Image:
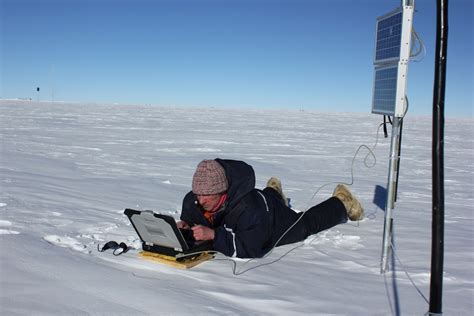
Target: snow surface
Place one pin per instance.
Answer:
(68, 171)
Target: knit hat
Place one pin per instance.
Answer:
(209, 178)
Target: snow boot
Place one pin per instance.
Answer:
(275, 184)
(353, 207)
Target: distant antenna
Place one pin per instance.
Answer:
(391, 57)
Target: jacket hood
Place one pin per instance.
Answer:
(241, 179)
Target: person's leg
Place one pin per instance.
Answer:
(318, 218)
(324, 216)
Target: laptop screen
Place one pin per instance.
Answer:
(157, 229)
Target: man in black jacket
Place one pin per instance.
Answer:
(245, 222)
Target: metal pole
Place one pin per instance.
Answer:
(437, 241)
(391, 188)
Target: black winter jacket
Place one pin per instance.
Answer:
(250, 222)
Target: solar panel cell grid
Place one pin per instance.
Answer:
(389, 32)
(385, 89)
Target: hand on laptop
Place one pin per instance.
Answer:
(183, 225)
(199, 232)
(202, 232)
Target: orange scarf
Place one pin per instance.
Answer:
(209, 214)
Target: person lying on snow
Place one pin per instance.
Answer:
(224, 206)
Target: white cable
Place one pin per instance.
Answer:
(406, 108)
(421, 47)
(406, 272)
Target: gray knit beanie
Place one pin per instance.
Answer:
(209, 178)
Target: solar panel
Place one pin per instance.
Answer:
(392, 53)
(385, 90)
(389, 89)
(388, 36)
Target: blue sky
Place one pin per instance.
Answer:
(261, 54)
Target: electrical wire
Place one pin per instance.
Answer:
(421, 47)
(407, 274)
(405, 110)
